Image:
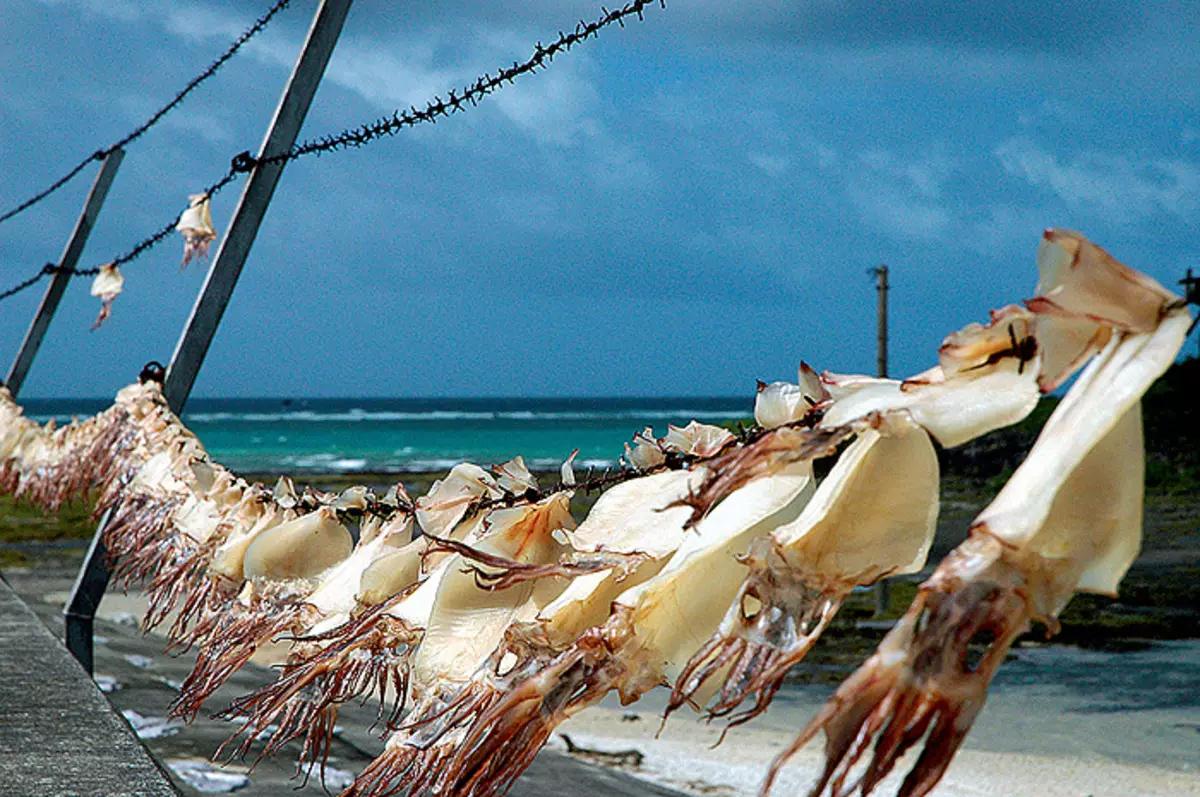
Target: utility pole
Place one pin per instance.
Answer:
(880, 273)
(1191, 292)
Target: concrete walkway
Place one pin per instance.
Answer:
(58, 735)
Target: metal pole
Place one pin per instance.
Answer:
(881, 288)
(58, 285)
(219, 284)
(252, 206)
(90, 584)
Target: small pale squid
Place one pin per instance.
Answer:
(196, 226)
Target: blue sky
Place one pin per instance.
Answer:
(678, 207)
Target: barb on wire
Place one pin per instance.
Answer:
(146, 243)
(388, 125)
(468, 95)
(49, 268)
(157, 116)
(99, 154)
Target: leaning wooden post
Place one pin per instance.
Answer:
(219, 284)
(58, 285)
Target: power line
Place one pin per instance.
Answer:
(157, 116)
(386, 126)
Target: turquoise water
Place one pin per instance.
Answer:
(394, 435)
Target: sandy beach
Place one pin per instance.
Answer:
(1060, 722)
(1074, 731)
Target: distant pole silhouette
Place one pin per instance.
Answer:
(880, 273)
(881, 288)
(1191, 291)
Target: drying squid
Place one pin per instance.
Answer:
(1083, 294)
(106, 287)
(196, 226)
(368, 647)
(874, 515)
(711, 565)
(625, 540)
(644, 641)
(328, 609)
(466, 623)
(283, 567)
(1068, 520)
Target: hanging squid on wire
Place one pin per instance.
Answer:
(710, 565)
(1068, 520)
(106, 287)
(873, 515)
(829, 544)
(297, 576)
(667, 582)
(466, 623)
(369, 647)
(196, 226)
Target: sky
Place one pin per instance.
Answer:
(678, 207)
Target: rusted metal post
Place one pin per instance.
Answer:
(219, 284)
(880, 273)
(58, 284)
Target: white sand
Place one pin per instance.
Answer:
(683, 758)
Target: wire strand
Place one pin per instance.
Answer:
(388, 125)
(471, 94)
(154, 119)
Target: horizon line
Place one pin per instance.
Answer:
(415, 398)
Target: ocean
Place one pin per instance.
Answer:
(418, 435)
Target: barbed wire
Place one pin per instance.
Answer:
(146, 243)
(47, 269)
(456, 100)
(385, 126)
(157, 116)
